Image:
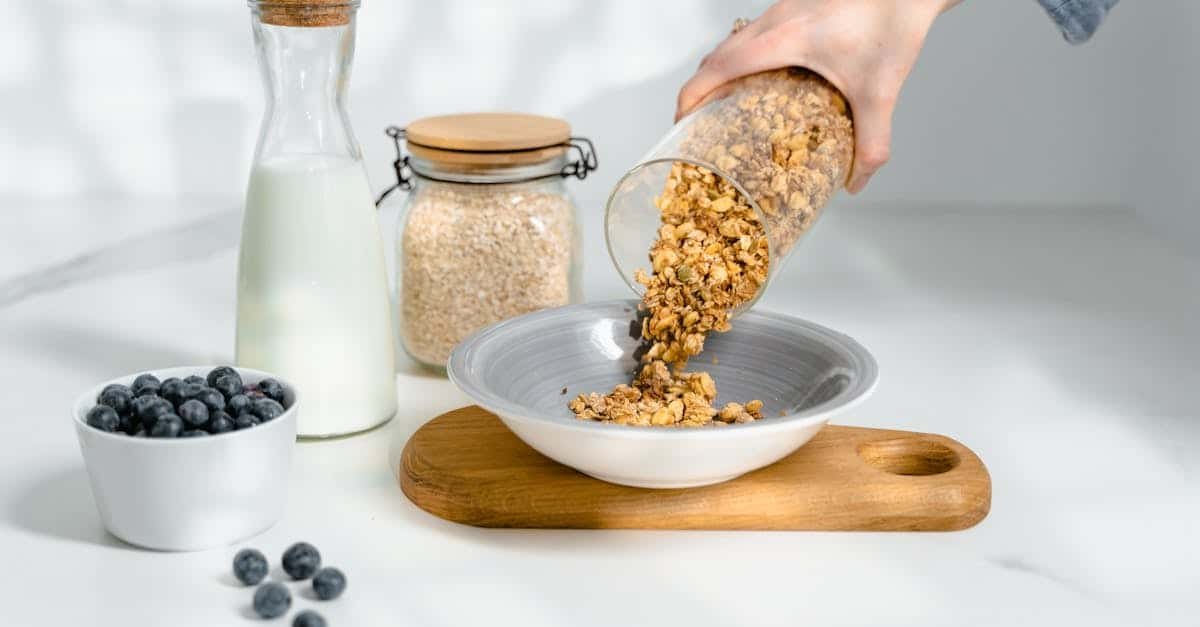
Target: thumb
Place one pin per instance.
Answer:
(872, 140)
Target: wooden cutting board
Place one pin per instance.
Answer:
(467, 467)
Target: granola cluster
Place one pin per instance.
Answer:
(787, 138)
(664, 398)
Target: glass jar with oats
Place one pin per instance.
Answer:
(490, 230)
(722, 200)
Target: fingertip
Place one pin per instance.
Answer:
(857, 184)
(688, 97)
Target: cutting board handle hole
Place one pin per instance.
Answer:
(911, 456)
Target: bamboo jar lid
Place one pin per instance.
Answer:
(482, 139)
(306, 13)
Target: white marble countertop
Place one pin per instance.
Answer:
(1059, 345)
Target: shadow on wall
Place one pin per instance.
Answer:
(624, 121)
(1088, 303)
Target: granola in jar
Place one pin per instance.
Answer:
(786, 138)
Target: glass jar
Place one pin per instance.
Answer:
(490, 231)
(312, 294)
(784, 140)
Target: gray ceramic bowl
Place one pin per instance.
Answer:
(804, 374)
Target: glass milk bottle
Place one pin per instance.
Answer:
(313, 303)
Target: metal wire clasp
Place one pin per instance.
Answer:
(403, 181)
(579, 168)
(587, 158)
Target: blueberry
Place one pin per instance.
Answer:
(250, 566)
(238, 404)
(171, 389)
(221, 371)
(219, 423)
(308, 618)
(245, 421)
(145, 384)
(194, 412)
(191, 390)
(267, 409)
(228, 385)
(272, 600)
(104, 418)
(141, 404)
(329, 583)
(149, 408)
(116, 396)
(129, 424)
(301, 560)
(194, 380)
(211, 399)
(168, 426)
(193, 433)
(272, 389)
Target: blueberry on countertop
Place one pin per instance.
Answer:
(272, 600)
(301, 560)
(308, 618)
(220, 422)
(104, 418)
(195, 379)
(194, 412)
(238, 404)
(267, 409)
(229, 385)
(169, 426)
(222, 371)
(171, 389)
(245, 421)
(117, 396)
(145, 384)
(250, 566)
(211, 399)
(272, 389)
(329, 583)
(193, 433)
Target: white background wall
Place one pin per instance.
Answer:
(141, 99)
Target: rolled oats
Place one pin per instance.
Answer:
(471, 257)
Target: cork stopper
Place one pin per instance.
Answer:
(305, 13)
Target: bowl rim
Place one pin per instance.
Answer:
(857, 392)
(87, 400)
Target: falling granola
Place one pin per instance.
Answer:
(787, 138)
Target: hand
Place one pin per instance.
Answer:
(866, 48)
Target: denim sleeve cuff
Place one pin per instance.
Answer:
(1077, 19)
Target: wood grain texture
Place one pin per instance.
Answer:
(467, 467)
(488, 131)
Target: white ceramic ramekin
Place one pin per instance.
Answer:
(188, 494)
